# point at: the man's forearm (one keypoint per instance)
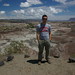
(37, 37)
(50, 36)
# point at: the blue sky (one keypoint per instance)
(34, 9)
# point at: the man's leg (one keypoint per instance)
(47, 49)
(41, 47)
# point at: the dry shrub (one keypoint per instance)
(16, 47)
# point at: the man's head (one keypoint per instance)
(44, 18)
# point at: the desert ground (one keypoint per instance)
(62, 44)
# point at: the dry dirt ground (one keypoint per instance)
(29, 66)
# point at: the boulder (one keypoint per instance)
(9, 58)
(26, 56)
(71, 60)
(1, 63)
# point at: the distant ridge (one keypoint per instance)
(20, 20)
(72, 19)
(31, 20)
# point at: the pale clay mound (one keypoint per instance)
(29, 66)
(28, 37)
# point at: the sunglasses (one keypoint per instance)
(44, 18)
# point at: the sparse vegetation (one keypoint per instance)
(11, 27)
(73, 55)
(62, 44)
(30, 25)
(16, 47)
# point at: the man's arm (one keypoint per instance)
(50, 36)
(37, 36)
(37, 33)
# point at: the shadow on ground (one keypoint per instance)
(35, 61)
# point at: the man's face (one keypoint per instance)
(44, 19)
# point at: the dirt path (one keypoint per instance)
(29, 66)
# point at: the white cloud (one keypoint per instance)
(66, 2)
(36, 12)
(54, 10)
(41, 10)
(25, 4)
(3, 15)
(70, 3)
(63, 17)
(19, 11)
(66, 5)
(32, 10)
(61, 1)
(36, 16)
(34, 1)
(29, 3)
(22, 11)
(2, 12)
(15, 11)
(6, 4)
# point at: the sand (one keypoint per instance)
(29, 66)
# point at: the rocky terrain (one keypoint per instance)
(62, 45)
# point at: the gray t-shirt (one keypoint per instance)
(44, 30)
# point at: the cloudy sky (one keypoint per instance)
(34, 9)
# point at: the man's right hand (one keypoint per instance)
(37, 41)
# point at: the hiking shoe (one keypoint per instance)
(48, 61)
(39, 63)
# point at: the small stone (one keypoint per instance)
(1, 63)
(26, 56)
(56, 56)
(71, 60)
(9, 58)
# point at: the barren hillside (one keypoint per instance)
(24, 37)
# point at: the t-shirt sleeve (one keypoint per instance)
(49, 28)
(37, 28)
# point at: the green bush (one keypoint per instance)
(72, 55)
(30, 25)
(5, 29)
(16, 47)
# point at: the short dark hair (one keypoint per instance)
(44, 16)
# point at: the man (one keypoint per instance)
(43, 35)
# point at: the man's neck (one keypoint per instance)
(43, 23)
